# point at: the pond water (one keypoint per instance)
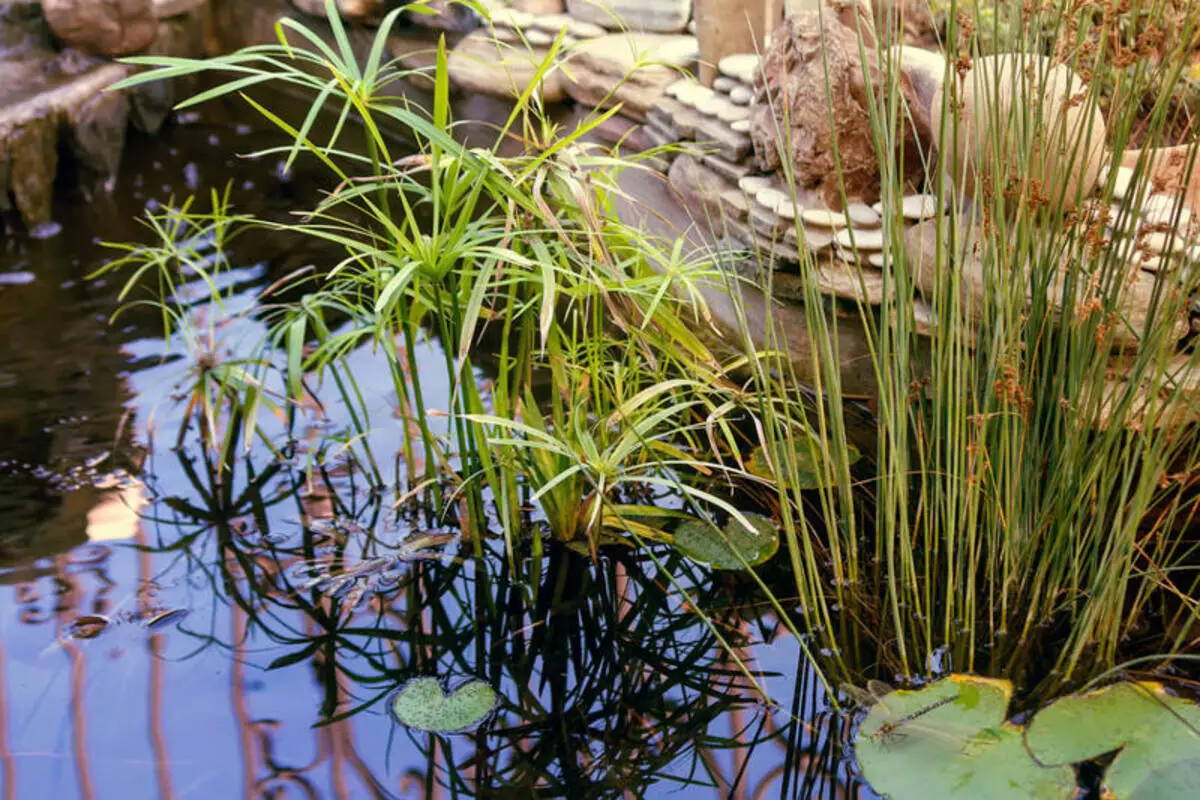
(170, 629)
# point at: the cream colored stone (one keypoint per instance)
(753, 184)
(785, 207)
(740, 126)
(1166, 209)
(919, 207)
(653, 16)
(769, 198)
(1160, 242)
(481, 64)
(742, 67)
(741, 95)
(823, 218)
(733, 113)
(855, 238)
(999, 96)
(862, 215)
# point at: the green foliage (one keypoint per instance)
(1028, 489)
(423, 706)
(1157, 735)
(950, 739)
(733, 547)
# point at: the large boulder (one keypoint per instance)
(656, 16)
(1022, 125)
(350, 9)
(632, 69)
(481, 64)
(818, 76)
(103, 27)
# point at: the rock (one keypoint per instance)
(539, 6)
(480, 64)
(850, 281)
(742, 95)
(699, 187)
(97, 132)
(862, 215)
(1122, 183)
(102, 27)
(633, 69)
(448, 15)
(733, 113)
(724, 84)
(812, 58)
(731, 146)
(349, 9)
(858, 239)
(1166, 209)
(786, 208)
(1168, 170)
(754, 184)
(1160, 242)
(919, 207)
(692, 95)
(164, 9)
(727, 27)
(726, 169)
(769, 198)
(32, 153)
(735, 204)
(655, 16)
(1060, 160)
(823, 218)
(740, 125)
(510, 18)
(741, 67)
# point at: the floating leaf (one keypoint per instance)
(949, 739)
(422, 705)
(86, 626)
(809, 472)
(733, 547)
(164, 618)
(1157, 733)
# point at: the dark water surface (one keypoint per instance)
(159, 632)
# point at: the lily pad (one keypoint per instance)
(731, 547)
(809, 472)
(1158, 736)
(422, 705)
(950, 739)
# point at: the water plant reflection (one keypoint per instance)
(609, 678)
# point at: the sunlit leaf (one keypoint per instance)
(950, 739)
(1157, 734)
(422, 705)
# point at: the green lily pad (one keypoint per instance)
(1157, 733)
(950, 739)
(720, 548)
(810, 473)
(422, 705)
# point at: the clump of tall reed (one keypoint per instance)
(1030, 507)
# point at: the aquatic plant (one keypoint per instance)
(952, 738)
(1029, 490)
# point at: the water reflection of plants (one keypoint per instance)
(991, 512)
(608, 677)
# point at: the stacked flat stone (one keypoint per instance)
(514, 26)
(1154, 232)
(760, 212)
